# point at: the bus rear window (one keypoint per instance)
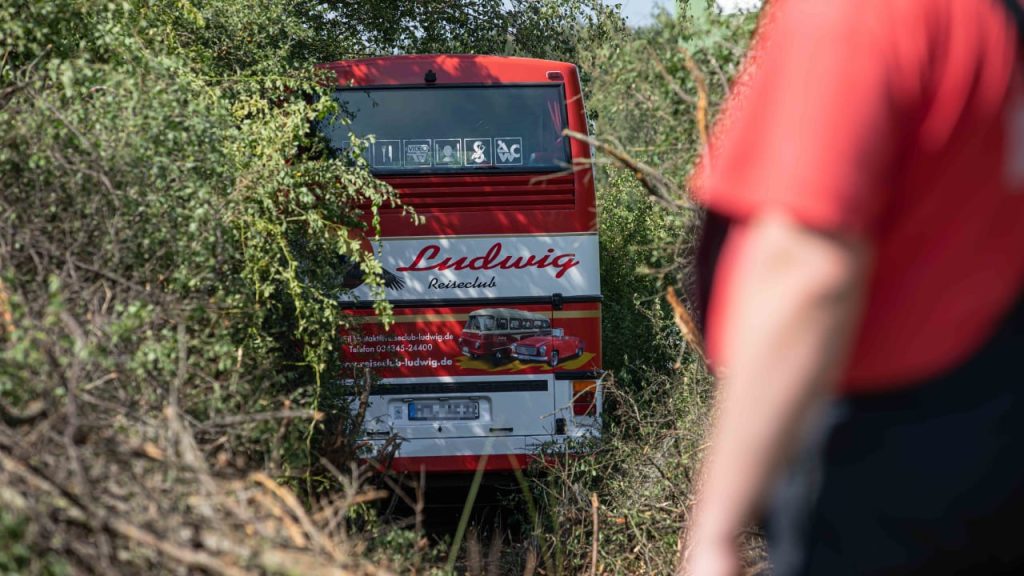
(455, 129)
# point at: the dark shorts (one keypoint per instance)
(924, 481)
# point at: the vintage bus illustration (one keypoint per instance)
(495, 347)
(491, 332)
(503, 334)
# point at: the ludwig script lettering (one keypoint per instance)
(429, 258)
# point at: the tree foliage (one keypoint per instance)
(535, 28)
(172, 235)
(645, 99)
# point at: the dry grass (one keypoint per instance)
(118, 491)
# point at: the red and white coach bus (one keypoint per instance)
(496, 342)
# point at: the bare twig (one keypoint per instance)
(237, 419)
(364, 402)
(109, 275)
(293, 504)
(661, 189)
(494, 554)
(474, 555)
(71, 430)
(6, 316)
(595, 536)
(421, 502)
(32, 412)
(685, 322)
(530, 565)
(679, 92)
(100, 519)
(702, 96)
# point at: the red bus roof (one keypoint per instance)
(450, 69)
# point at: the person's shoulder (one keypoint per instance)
(891, 16)
(831, 23)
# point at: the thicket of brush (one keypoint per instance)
(169, 239)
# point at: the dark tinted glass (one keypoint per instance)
(446, 129)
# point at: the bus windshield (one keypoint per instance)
(480, 323)
(455, 129)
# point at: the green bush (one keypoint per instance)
(636, 240)
(170, 233)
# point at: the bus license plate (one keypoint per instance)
(444, 410)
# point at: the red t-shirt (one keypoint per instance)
(902, 122)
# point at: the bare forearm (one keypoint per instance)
(792, 314)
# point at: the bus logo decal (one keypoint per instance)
(478, 151)
(417, 153)
(386, 154)
(510, 151)
(448, 152)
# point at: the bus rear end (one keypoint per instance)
(495, 347)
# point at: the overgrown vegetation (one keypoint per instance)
(171, 240)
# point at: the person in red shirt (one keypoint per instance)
(864, 318)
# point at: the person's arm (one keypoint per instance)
(791, 314)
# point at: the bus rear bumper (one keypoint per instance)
(446, 455)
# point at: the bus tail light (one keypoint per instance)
(584, 397)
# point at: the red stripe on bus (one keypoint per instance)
(461, 463)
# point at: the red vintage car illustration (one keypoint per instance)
(491, 332)
(551, 346)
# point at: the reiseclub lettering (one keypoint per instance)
(439, 284)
